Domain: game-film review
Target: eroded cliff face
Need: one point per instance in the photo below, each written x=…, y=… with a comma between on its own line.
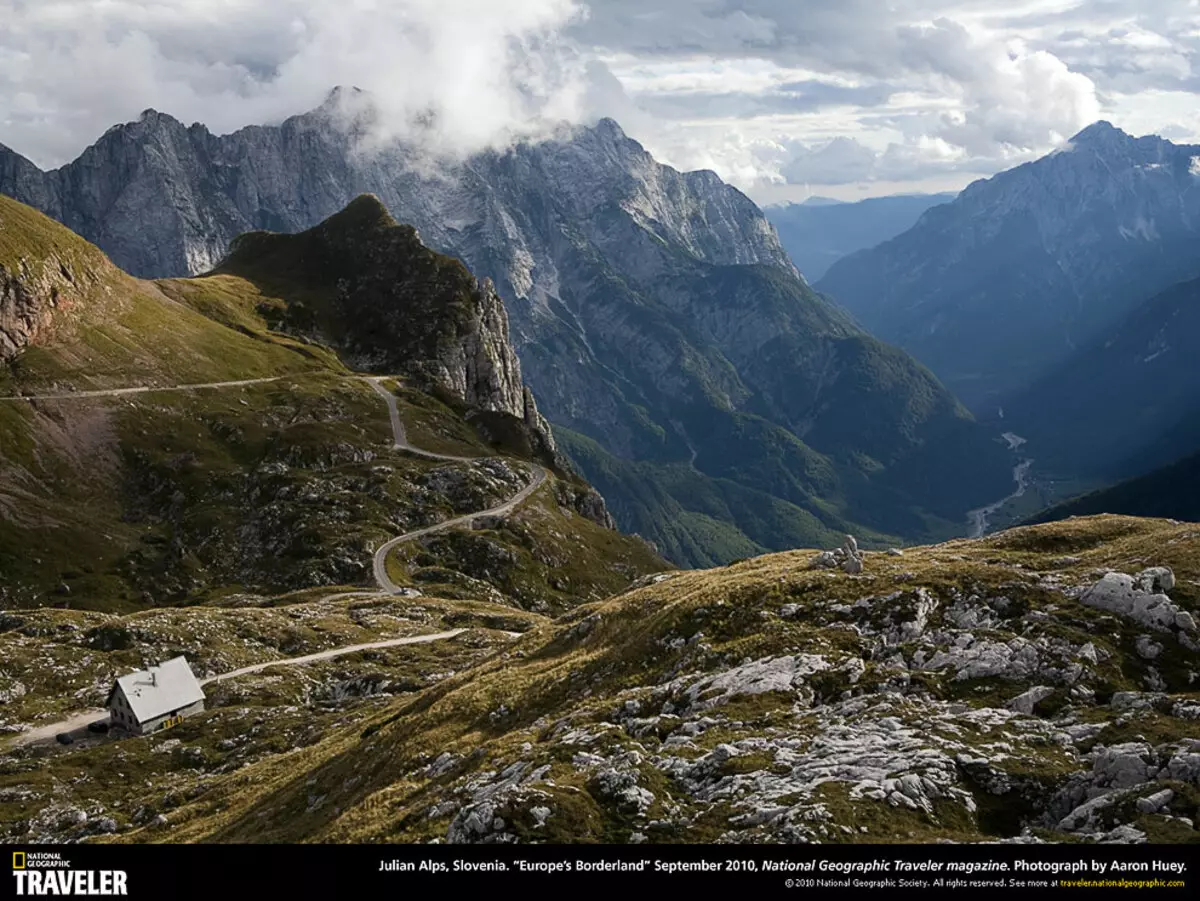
x=392, y=305
x=39, y=290
x=25, y=314
x=483, y=368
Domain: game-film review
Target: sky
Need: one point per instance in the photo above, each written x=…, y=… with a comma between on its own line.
x=784, y=98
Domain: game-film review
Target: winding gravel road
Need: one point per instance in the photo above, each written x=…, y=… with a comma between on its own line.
x=401, y=443
x=123, y=392
x=334, y=652
x=80, y=719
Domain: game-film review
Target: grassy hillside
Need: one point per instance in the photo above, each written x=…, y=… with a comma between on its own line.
x=169, y=497
x=765, y=701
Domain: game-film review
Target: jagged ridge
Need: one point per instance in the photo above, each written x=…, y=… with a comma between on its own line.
x=655, y=313
x=372, y=288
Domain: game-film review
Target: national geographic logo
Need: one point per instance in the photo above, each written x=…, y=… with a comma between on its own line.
x=49, y=873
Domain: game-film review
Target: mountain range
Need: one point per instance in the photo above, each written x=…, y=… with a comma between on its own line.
x=819, y=232
x=721, y=406
x=998, y=287
x=315, y=471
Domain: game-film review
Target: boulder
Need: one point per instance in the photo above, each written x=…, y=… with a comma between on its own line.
x=853, y=563
x=1026, y=701
x=1156, y=579
x=1123, y=595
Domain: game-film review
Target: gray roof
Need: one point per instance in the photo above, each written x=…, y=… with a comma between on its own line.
x=159, y=690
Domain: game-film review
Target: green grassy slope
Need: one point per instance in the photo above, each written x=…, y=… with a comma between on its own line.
x=187, y=496
x=659, y=686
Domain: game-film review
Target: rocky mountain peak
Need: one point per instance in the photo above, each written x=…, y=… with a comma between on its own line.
x=365, y=215
x=149, y=125
x=1060, y=248
x=390, y=304
x=1099, y=132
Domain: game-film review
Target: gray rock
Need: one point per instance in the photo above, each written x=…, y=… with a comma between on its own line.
x=1124, y=765
x=852, y=562
x=1120, y=594
x=1156, y=579
x=1155, y=802
x=823, y=560
x=1147, y=648
x=1026, y=701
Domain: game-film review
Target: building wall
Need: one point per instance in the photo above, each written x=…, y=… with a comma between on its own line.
x=122, y=716
x=158, y=722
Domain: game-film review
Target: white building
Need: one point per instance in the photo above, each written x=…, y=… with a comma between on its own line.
x=156, y=698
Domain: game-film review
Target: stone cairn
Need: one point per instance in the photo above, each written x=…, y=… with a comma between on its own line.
x=847, y=557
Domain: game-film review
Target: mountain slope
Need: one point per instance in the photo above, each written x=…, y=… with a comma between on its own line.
x=975, y=691
x=163, y=443
x=817, y=235
x=1170, y=492
x=654, y=312
x=1121, y=405
x=996, y=287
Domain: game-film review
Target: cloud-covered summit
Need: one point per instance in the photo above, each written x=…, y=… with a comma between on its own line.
x=774, y=95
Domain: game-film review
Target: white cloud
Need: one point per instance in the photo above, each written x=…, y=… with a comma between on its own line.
x=488, y=68
x=766, y=92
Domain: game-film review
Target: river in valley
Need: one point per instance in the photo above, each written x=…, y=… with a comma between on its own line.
x=979, y=520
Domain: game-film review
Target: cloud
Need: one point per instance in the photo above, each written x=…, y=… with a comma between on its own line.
x=939, y=86
x=766, y=92
x=841, y=161
x=487, y=69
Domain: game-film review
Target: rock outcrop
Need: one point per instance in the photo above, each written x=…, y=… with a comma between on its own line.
x=396, y=306
x=1142, y=599
x=42, y=277
x=848, y=557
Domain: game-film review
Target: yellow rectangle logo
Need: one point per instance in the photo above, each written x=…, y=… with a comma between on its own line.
x=18, y=860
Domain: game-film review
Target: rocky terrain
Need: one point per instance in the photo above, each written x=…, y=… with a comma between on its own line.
x=721, y=406
x=1040, y=685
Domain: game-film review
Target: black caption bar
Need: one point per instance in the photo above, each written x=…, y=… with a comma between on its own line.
x=393, y=871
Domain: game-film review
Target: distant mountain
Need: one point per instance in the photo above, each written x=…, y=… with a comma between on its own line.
x=820, y=231
x=723, y=406
x=1125, y=404
x=998, y=286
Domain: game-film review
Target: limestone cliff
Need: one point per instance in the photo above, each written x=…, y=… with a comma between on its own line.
x=43, y=275
x=392, y=305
